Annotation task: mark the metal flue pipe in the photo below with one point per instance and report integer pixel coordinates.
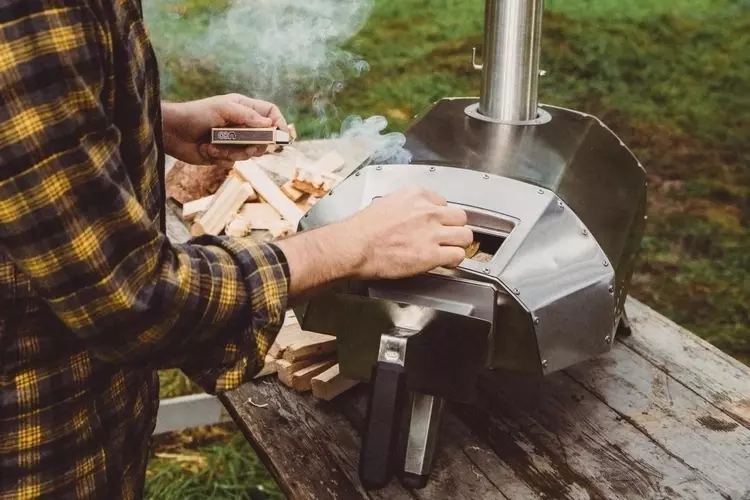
(510, 69)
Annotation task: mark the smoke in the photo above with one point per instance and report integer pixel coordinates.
(288, 52)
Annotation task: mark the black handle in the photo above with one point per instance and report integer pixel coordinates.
(384, 412)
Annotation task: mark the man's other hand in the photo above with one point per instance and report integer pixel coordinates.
(406, 233)
(187, 127)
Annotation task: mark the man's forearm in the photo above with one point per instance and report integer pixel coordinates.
(321, 256)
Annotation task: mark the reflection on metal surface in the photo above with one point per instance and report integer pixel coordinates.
(424, 421)
(358, 321)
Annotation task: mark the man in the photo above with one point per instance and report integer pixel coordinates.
(93, 297)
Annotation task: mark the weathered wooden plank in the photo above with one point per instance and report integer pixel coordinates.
(308, 446)
(691, 361)
(566, 444)
(672, 416)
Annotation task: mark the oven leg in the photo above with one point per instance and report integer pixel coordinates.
(424, 423)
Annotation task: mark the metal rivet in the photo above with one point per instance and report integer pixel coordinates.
(432, 169)
(607, 339)
(544, 363)
(486, 176)
(378, 168)
(606, 264)
(536, 321)
(486, 270)
(584, 232)
(645, 217)
(540, 191)
(611, 289)
(560, 203)
(516, 291)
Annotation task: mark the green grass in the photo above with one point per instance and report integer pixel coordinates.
(201, 464)
(671, 77)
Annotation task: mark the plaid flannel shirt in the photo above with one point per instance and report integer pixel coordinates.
(93, 297)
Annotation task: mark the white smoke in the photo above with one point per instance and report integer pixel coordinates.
(277, 50)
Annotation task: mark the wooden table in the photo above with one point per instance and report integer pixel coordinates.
(663, 415)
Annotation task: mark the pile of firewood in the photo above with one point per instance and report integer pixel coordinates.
(249, 196)
(305, 361)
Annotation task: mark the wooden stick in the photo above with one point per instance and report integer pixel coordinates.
(227, 200)
(330, 384)
(290, 332)
(193, 209)
(286, 369)
(313, 345)
(329, 162)
(268, 189)
(301, 380)
(260, 215)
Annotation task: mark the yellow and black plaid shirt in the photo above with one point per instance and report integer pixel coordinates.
(93, 297)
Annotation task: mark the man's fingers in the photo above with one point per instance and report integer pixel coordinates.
(435, 198)
(451, 216)
(264, 108)
(451, 256)
(456, 236)
(240, 115)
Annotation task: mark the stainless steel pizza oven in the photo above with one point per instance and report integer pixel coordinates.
(557, 204)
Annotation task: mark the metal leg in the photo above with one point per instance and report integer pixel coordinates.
(424, 424)
(623, 328)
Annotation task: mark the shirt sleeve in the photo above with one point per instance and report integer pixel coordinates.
(71, 221)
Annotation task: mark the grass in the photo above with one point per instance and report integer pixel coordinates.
(669, 76)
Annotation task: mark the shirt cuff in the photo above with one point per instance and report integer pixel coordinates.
(266, 276)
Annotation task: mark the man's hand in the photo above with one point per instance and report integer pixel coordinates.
(408, 232)
(187, 127)
(403, 234)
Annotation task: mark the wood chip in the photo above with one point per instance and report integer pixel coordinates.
(292, 193)
(330, 383)
(264, 405)
(472, 249)
(185, 182)
(237, 227)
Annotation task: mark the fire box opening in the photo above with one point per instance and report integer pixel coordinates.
(484, 247)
